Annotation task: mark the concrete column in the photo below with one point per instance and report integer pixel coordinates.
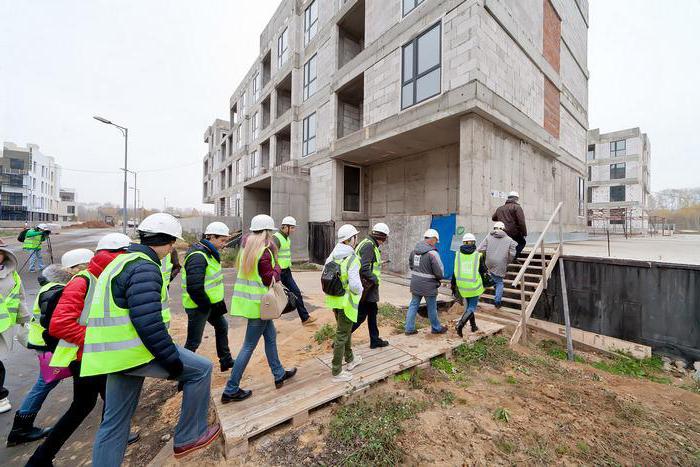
(273, 151)
(273, 106)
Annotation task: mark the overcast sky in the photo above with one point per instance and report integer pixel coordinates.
(167, 68)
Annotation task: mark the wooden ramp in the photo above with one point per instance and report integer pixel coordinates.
(313, 387)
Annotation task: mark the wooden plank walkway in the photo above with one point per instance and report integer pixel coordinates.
(313, 386)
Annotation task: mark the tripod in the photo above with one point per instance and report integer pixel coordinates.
(37, 252)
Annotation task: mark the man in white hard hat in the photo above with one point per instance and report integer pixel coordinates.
(203, 292)
(500, 250)
(513, 217)
(426, 273)
(345, 306)
(127, 340)
(283, 241)
(33, 238)
(467, 280)
(371, 273)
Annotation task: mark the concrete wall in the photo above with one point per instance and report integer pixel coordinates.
(289, 196)
(197, 225)
(322, 193)
(255, 201)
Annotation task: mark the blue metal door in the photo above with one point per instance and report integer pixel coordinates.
(445, 225)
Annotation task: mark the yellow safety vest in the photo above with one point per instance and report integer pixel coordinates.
(377, 265)
(213, 281)
(284, 255)
(166, 269)
(32, 243)
(350, 301)
(249, 290)
(467, 275)
(36, 330)
(9, 304)
(66, 351)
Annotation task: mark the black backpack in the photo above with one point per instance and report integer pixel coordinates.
(22, 235)
(330, 280)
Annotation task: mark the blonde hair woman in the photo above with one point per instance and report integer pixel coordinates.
(257, 268)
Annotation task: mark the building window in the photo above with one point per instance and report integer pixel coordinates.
(205, 189)
(70, 209)
(590, 156)
(590, 171)
(222, 179)
(617, 193)
(239, 139)
(239, 174)
(351, 188)
(617, 171)
(581, 199)
(229, 176)
(310, 77)
(618, 148)
(16, 164)
(589, 194)
(410, 5)
(256, 125)
(256, 87)
(421, 68)
(237, 205)
(309, 135)
(617, 216)
(310, 22)
(282, 48)
(254, 163)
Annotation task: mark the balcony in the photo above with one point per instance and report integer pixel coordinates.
(351, 99)
(284, 96)
(351, 33)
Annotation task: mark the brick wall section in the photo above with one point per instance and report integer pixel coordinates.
(551, 39)
(551, 108)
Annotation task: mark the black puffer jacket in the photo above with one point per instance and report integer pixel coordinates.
(195, 269)
(138, 288)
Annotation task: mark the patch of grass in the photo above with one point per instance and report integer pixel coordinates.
(505, 446)
(692, 387)
(626, 365)
(447, 398)
(325, 333)
(583, 448)
(443, 364)
(396, 316)
(539, 451)
(403, 377)
(492, 352)
(501, 414)
(366, 431)
(561, 450)
(413, 377)
(632, 412)
(510, 379)
(555, 350)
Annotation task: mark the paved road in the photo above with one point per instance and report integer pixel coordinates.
(22, 368)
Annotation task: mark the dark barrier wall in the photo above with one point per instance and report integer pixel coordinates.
(656, 304)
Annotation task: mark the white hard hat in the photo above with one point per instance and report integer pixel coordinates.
(346, 232)
(469, 237)
(513, 194)
(113, 241)
(75, 257)
(381, 227)
(289, 220)
(431, 233)
(499, 225)
(262, 222)
(217, 228)
(162, 223)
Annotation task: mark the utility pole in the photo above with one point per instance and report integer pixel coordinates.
(125, 133)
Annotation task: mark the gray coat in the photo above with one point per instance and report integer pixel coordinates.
(500, 251)
(426, 270)
(9, 265)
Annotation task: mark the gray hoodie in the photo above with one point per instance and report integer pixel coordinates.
(426, 270)
(500, 251)
(9, 265)
(342, 251)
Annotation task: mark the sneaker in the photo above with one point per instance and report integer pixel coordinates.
(442, 330)
(354, 363)
(5, 405)
(288, 374)
(310, 320)
(237, 396)
(342, 377)
(378, 344)
(410, 333)
(205, 440)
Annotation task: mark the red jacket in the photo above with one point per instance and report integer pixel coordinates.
(64, 322)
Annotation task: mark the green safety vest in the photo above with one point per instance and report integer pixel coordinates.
(32, 243)
(66, 351)
(350, 301)
(111, 341)
(377, 265)
(467, 274)
(249, 290)
(213, 281)
(166, 269)
(9, 304)
(284, 255)
(36, 330)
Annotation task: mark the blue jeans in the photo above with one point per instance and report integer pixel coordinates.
(431, 302)
(470, 305)
(256, 328)
(34, 257)
(122, 397)
(498, 283)
(37, 395)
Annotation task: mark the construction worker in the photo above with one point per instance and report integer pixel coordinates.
(513, 217)
(283, 242)
(52, 279)
(468, 269)
(127, 340)
(257, 269)
(32, 245)
(12, 311)
(203, 292)
(67, 323)
(345, 306)
(426, 273)
(371, 274)
(500, 250)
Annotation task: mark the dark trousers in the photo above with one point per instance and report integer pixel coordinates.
(3, 391)
(85, 392)
(368, 311)
(289, 282)
(196, 320)
(521, 244)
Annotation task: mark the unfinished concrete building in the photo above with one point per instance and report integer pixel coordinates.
(617, 191)
(217, 184)
(417, 113)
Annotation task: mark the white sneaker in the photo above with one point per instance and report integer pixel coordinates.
(342, 377)
(353, 364)
(5, 405)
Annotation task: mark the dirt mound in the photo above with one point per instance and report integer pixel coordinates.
(90, 225)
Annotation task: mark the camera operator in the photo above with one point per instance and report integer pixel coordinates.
(32, 245)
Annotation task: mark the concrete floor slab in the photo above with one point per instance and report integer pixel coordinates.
(683, 249)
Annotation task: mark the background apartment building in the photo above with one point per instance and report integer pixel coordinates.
(417, 113)
(618, 191)
(68, 207)
(29, 184)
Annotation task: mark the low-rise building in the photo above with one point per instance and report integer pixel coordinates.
(68, 205)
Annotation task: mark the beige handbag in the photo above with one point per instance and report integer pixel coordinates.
(273, 302)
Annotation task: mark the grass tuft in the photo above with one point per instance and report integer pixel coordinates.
(501, 414)
(626, 365)
(325, 333)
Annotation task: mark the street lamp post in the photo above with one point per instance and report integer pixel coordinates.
(125, 132)
(135, 214)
